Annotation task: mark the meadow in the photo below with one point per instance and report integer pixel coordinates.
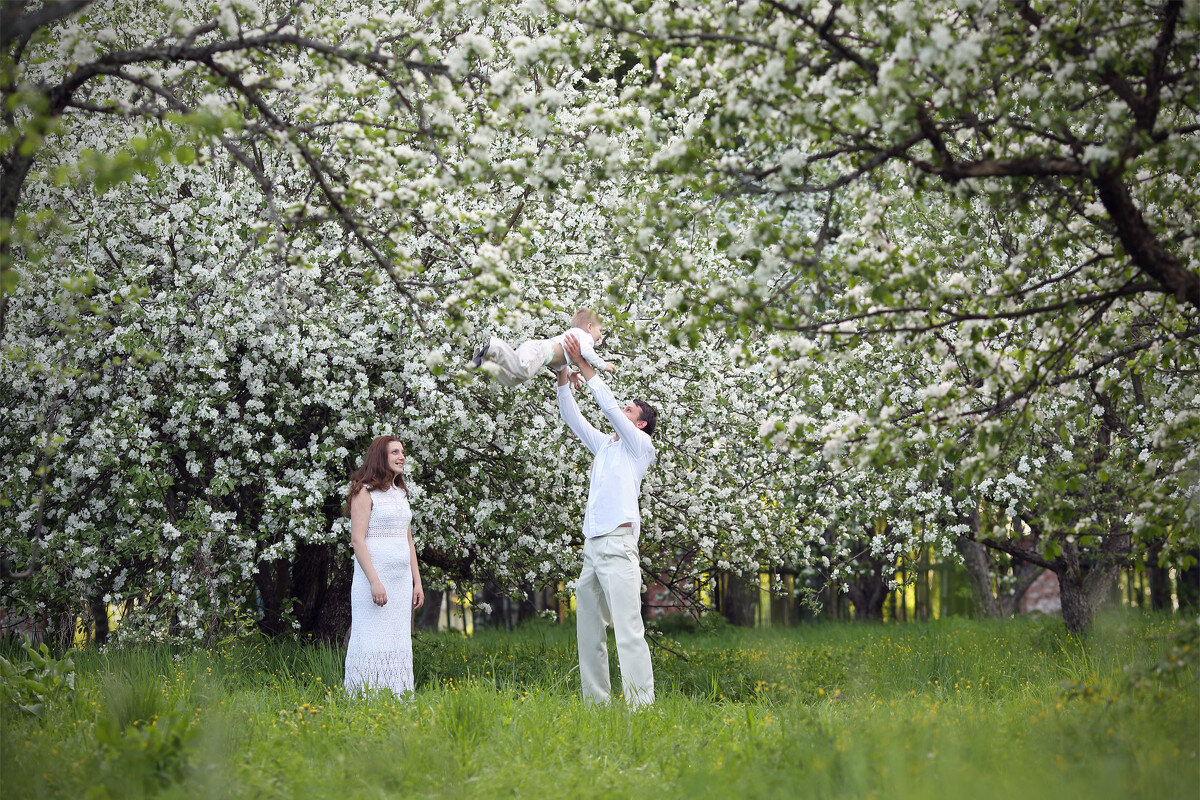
(955, 707)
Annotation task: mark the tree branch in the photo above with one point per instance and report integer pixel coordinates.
(17, 25)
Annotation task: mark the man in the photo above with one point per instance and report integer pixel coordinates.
(609, 588)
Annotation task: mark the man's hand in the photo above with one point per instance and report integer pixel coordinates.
(571, 348)
(567, 376)
(610, 367)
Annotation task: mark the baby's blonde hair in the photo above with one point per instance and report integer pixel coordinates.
(584, 317)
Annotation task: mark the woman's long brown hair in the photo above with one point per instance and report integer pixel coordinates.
(374, 474)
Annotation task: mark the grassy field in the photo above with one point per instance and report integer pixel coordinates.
(951, 708)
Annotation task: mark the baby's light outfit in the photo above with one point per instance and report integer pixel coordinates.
(522, 364)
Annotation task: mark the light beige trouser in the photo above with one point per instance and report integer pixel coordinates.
(609, 593)
(520, 365)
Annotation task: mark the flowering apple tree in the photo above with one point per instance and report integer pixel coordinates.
(996, 195)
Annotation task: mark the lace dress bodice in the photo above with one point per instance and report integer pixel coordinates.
(390, 513)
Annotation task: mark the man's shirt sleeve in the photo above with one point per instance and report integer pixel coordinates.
(592, 439)
(633, 438)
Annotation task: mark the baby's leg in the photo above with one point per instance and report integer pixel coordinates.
(516, 366)
(533, 355)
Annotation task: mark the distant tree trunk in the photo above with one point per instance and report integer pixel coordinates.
(807, 594)
(1187, 584)
(527, 607)
(868, 589)
(496, 600)
(975, 559)
(991, 603)
(782, 609)
(1158, 577)
(429, 615)
(1082, 592)
(1025, 574)
(99, 621)
(738, 598)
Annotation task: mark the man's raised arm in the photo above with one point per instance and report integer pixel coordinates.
(632, 437)
(592, 439)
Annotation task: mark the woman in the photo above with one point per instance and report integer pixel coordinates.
(387, 582)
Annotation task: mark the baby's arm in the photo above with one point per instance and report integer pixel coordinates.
(587, 349)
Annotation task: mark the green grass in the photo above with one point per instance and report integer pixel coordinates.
(951, 708)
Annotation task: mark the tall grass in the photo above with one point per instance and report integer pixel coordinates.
(955, 707)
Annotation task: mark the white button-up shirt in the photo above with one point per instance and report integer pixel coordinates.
(618, 465)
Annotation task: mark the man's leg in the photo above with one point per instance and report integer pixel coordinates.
(591, 624)
(620, 576)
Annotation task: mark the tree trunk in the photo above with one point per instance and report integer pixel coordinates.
(99, 621)
(1025, 573)
(497, 601)
(807, 593)
(1187, 583)
(868, 591)
(429, 616)
(1159, 578)
(975, 559)
(528, 605)
(332, 621)
(739, 599)
(272, 582)
(310, 583)
(1083, 590)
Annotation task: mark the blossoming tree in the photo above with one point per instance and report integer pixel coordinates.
(266, 250)
(999, 194)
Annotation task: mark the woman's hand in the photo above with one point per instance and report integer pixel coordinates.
(378, 594)
(418, 595)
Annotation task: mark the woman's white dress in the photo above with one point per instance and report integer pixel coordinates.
(380, 651)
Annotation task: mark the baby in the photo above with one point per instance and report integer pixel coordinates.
(522, 364)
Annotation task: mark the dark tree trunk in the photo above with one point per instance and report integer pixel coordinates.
(99, 621)
(1083, 590)
(808, 598)
(739, 598)
(310, 583)
(1025, 573)
(527, 606)
(429, 615)
(1160, 587)
(272, 582)
(1187, 584)
(497, 601)
(332, 621)
(868, 590)
(1159, 578)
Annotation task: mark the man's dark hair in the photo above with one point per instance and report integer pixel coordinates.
(648, 415)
